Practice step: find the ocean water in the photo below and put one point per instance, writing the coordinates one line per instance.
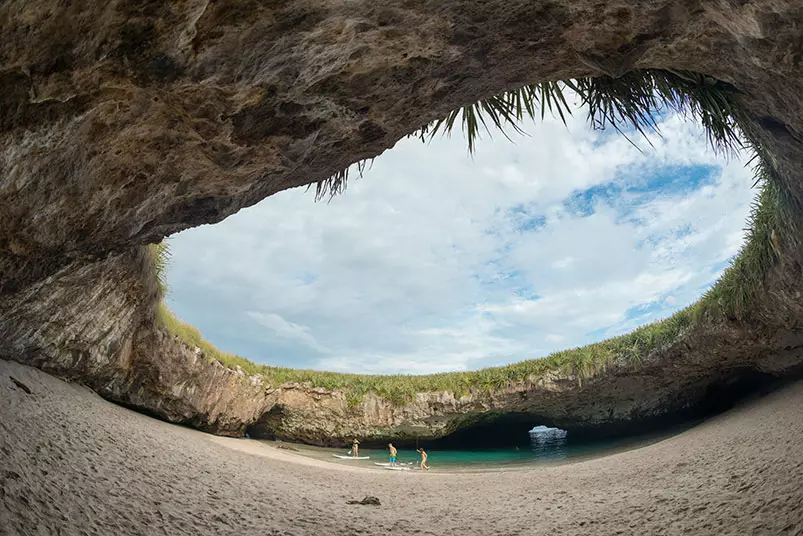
(544, 446)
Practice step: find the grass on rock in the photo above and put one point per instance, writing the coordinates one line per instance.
(578, 363)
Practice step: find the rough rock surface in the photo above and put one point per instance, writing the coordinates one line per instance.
(124, 121)
(674, 380)
(80, 321)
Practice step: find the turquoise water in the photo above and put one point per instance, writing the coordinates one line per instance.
(546, 446)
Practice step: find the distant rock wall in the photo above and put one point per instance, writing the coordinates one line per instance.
(626, 397)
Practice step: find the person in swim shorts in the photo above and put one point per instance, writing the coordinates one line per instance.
(393, 452)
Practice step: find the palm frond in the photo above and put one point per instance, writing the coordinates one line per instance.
(633, 101)
(336, 184)
(503, 111)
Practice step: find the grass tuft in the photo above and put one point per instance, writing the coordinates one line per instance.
(336, 184)
(160, 257)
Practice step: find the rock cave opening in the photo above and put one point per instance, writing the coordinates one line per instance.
(278, 222)
(504, 233)
(190, 133)
(128, 122)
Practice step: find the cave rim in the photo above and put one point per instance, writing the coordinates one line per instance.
(745, 142)
(661, 42)
(723, 158)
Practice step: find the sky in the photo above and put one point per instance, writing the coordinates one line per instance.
(436, 260)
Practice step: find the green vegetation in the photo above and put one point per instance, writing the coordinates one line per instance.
(735, 295)
(630, 101)
(580, 363)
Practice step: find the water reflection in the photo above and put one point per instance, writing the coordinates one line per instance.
(549, 443)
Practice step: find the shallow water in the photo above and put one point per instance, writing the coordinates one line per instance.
(544, 446)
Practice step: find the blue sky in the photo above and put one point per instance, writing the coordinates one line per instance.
(438, 261)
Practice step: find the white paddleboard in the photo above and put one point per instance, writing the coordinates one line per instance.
(386, 464)
(351, 457)
(397, 468)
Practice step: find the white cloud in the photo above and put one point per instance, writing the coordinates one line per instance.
(437, 261)
(565, 262)
(280, 327)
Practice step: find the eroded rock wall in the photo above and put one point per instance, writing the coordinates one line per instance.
(626, 398)
(176, 382)
(81, 321)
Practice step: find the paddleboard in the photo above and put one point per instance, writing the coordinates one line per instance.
(386, 464)
(397, 468)
(351, 457)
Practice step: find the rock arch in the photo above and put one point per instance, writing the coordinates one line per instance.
(125, 122)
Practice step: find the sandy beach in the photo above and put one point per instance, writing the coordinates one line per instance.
(72, 463)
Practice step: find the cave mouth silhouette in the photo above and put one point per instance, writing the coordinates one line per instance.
(616, 183)
(510, 428)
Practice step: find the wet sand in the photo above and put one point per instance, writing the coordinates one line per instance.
(72, 463)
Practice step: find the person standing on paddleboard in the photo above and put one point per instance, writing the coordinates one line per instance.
(392, 454)
(355, 448)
